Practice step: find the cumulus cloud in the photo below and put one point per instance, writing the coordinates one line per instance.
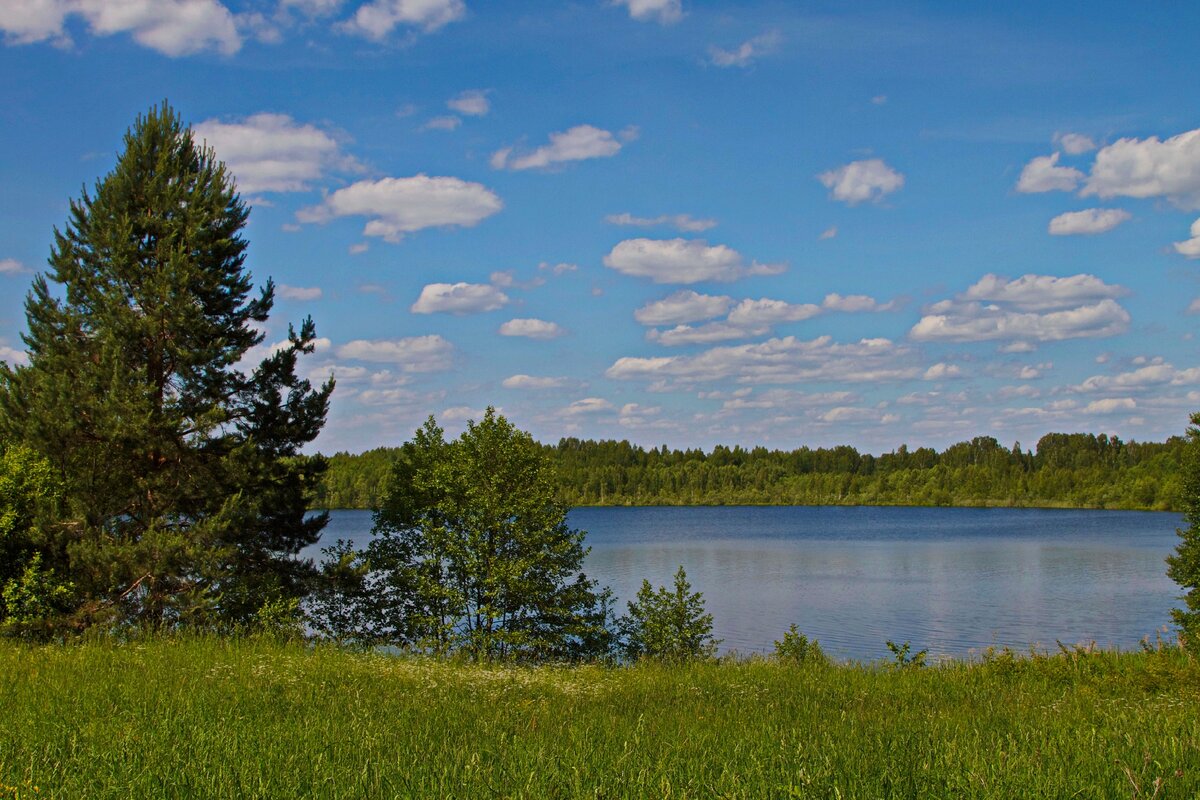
(272, 152)
(681, 307)
(682, 261)
(785, 399)
(299, 292)
(10, 266)
(1150, 376)
(1032, 307)
(459, 298)
(847, 414)
(744, 54)
(1150, 167)
(1074, 144)
(1088, 221)
(575, 144)
(942, 371)
(681, 222)
(766, 311)
(447, 123)
(633, 415)
(663, 11)
(829, 233)
(1111, 405)
(396, 206)
(778, 360)
(1189, 247)
(705, 334)
(472, 103)
(375, 20)
(534, 382)
(861, 181)
(414, 354)
(588, 405)
(851, 303)
(1043, 174)
(172, 27)
(532, 329)
(12, 355)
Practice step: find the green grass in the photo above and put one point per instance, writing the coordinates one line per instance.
(251, 718)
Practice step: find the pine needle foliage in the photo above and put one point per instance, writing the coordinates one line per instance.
(183, 487)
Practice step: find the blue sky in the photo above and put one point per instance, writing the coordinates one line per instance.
(669, 221)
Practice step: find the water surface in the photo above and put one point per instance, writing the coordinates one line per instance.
(949, 579)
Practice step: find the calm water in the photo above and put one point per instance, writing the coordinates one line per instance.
(952, 580)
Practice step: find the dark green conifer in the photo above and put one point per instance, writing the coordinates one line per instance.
(183, 488)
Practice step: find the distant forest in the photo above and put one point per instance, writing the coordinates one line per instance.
(1075, 470)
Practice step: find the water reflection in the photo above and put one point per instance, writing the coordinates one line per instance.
(951, 580)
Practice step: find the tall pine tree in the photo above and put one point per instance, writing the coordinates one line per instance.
(183, 488)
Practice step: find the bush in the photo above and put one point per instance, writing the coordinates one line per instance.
(668, 624)
(796, 648)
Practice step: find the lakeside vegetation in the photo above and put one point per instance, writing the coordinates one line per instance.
(1075, 470)
(254, 718)
(159, 636)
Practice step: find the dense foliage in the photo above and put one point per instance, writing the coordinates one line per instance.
(1183, 566)
(180, 490)
(471, 554)
(668, 624)
(1070, 470)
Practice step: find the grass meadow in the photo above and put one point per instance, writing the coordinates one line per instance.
(257, 718)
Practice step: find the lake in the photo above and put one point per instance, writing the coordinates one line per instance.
(954, 580)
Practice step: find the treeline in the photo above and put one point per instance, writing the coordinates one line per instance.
(1077, 470)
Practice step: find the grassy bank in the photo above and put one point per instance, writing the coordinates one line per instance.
(210, 718)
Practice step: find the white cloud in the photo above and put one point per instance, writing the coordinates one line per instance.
(665, 11)
(12, 355)
(1074, 144)
(682, 261)
(375, 20)
(576, 144)
(942, 371)
(785, 360)
(1188, 247)
(588, 405)
(681, 307)
(776, 399)
(397, 206)
(534, 382)
(1088, 221)
(299, 292)
(1194, 306)
(745, 53)
(1149, 168)
(1110, 405)
(854, 303)
(681, 222)
(1017, 347)
(472, 103)
(414, 354)
(172, 27)
(1039, 292)
(829, 233)
(462, 414)
(561, 268)
(1153, 375)
(459, 298)
(272, 152)
(633, 415)
(446, 123)
(312, 8)
(851, 414)
(10, 266)
(704, 334)
(1032, 307)
(1043, 174)
(532, 329)
(766, 311)
(860, 181)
